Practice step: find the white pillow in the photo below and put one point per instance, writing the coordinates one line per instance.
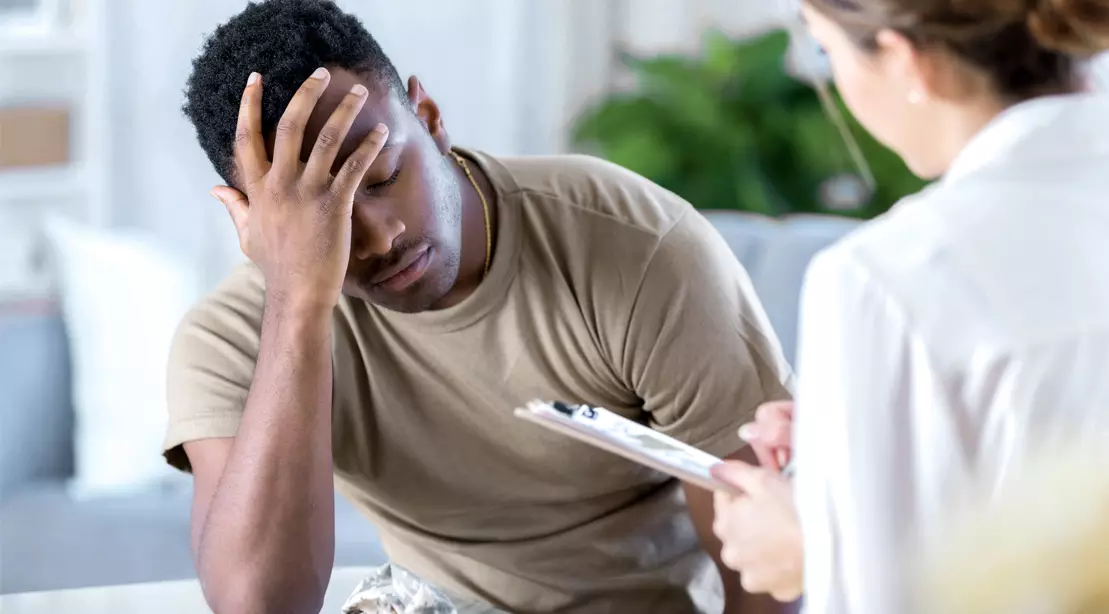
(122, 296)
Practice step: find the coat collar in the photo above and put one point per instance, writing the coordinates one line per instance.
(1040, 130)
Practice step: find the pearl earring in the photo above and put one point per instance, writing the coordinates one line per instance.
(915, 97)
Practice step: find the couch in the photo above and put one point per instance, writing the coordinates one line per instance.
(51, 540)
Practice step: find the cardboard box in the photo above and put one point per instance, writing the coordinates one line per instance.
(33, 136)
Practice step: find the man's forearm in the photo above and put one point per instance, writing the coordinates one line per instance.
(736, 600)
(269, 536)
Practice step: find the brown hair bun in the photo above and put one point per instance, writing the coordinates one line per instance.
(1076, 27)
(1028, 48)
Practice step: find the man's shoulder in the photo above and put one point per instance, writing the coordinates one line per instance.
(229, 318)
(241, 295)
(594, 187)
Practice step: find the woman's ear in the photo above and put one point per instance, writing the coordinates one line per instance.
(427, 111)
(905, 65)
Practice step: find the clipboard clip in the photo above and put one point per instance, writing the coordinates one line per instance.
(570, 410)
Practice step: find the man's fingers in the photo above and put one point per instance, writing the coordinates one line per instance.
(350, 175)
(250, 146)
(290, 128)
(741, 475)
(235, 201)
(237, 207)
(331, 137)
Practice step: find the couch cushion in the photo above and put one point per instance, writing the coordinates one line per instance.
(781, 269)
(746, 233)
(776, 254)
(36, 422)
(51, 541)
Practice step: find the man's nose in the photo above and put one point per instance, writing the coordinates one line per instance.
(374, 231)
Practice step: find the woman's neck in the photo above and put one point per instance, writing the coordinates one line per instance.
(964, 122)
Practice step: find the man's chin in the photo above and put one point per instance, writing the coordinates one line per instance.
(414, 299)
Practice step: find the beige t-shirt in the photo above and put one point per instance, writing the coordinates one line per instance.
(604, 289)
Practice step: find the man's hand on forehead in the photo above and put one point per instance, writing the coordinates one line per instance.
(294, 221)
(375, 110)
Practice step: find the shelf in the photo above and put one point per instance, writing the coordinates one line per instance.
(42, 183)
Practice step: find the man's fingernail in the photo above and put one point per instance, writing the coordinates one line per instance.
(252, 79)
(358, 90)
(381, 129)
(748, 433)
(320, 73)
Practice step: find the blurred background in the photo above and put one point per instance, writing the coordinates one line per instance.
(107, 232)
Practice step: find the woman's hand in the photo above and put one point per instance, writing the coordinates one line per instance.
(771, 434)
(759, 530)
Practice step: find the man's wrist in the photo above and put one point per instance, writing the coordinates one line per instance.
(297, 317)
(299, 305)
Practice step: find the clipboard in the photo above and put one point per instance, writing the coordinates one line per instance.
(616, 434)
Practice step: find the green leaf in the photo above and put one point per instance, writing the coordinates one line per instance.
(642, 152)
(720, 58)
(731, 129)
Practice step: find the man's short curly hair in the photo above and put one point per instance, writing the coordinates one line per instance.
(284, 41)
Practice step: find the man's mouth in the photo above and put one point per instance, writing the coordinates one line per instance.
(407, 271)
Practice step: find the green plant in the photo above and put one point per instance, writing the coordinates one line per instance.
(731, 129)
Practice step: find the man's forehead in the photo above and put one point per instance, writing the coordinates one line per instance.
(381, 106)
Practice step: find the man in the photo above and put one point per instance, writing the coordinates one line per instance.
(404, 297)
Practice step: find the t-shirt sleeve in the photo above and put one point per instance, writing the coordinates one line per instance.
(211, 366)
(699, 349)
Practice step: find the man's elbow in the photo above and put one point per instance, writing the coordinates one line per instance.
(253, 593)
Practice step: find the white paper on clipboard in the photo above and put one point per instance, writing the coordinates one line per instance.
(613, 433)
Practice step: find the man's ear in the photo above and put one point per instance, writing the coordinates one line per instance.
(428, 113)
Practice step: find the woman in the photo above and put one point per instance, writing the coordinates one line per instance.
(946, 341)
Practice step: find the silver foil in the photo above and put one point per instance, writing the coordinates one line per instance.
(391, 589)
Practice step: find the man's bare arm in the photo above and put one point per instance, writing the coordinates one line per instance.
(263, 529)
(736, 600)
(263, 522)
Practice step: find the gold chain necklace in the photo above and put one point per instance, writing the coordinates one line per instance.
(484, 209)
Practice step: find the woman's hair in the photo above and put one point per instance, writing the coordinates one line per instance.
(1028, 48)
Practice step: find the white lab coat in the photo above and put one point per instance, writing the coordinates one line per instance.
(945, 342)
